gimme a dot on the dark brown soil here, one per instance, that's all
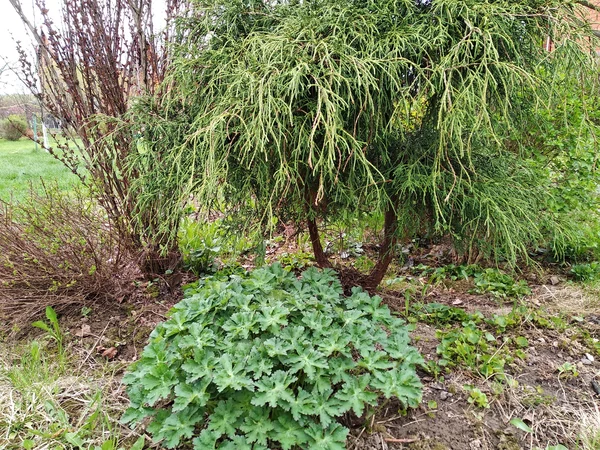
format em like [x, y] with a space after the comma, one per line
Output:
[550, 403]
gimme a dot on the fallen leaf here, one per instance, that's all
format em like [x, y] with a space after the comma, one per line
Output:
[457, 302]
[85, 331]
[109, 353]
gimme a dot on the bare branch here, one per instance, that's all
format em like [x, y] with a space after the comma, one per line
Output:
[16, 4]
[89, 68]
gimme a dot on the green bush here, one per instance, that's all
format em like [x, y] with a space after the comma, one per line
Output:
[586, 272]
[200, 243]
[13, 128]
[269, 360]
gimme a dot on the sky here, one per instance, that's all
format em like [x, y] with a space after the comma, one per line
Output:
[12, 29]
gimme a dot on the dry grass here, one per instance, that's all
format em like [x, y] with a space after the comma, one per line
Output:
[569, 299]
[568, 417]
[590, 428]
[48, 402]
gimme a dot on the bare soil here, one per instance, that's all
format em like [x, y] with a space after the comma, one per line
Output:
[553, 405]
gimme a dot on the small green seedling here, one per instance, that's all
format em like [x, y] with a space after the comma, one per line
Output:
[476, 397]
[53, 330]
[517, 422]
[567, 370]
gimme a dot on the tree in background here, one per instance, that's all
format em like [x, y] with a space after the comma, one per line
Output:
[90, 65]
[403, 108]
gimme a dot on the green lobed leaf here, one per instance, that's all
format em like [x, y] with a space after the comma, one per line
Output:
[355, 395]
[223, 419]
[266, 377]
[329, 438]
[274, 389]
[257, 426]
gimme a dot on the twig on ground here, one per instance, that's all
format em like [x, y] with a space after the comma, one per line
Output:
[401, 441]
[93, 347]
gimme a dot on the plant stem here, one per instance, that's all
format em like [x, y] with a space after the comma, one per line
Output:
[315, 240]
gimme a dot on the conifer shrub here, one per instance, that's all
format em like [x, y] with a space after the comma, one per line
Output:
[410, 110]
[268, 360]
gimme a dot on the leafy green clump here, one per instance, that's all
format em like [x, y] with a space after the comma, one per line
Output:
[473, 348]
[270, 360]
[487, 281]
[499, 284]
[586, 272]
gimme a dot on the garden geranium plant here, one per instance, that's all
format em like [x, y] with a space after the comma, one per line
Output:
[268, 360]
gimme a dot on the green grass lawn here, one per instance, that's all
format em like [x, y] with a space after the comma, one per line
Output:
[22, 165]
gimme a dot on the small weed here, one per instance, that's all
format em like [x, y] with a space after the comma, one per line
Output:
[432, 408]
[53, 329]
[433, 368]
[592, 343]
[518, 423]
[567, 370]
[521, 342]
[586, 272]
[396, 282]
[476, 397]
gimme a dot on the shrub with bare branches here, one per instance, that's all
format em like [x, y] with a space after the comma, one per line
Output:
[58, 247]
[92, 59]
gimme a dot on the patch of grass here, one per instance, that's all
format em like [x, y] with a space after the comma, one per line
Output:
[51, 400]
[590, 429]
[22, 165]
